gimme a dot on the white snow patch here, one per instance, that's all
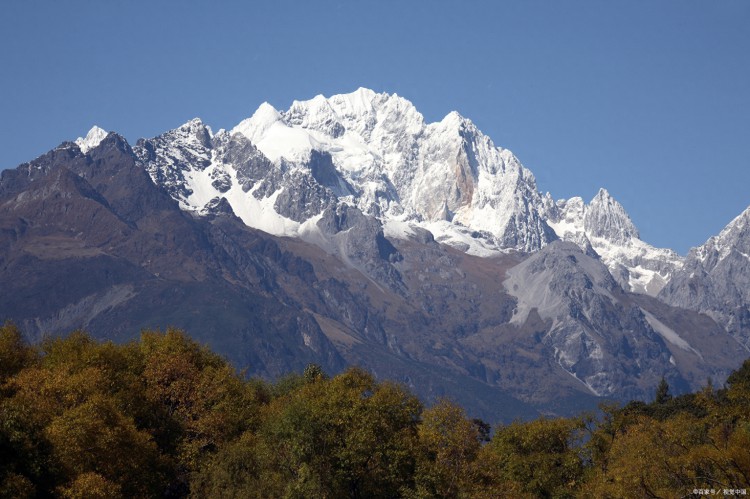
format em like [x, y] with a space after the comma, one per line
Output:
[460, 238]
[565, 229]
[260, 214]
[310, 232]
[199, 181]
[92, 139]
[597, 353]
[397, 229]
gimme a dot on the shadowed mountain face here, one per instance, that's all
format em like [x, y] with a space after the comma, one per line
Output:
[98, 236]
[89, 241]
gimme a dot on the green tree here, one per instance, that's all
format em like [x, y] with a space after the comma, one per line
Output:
[71, 412]
[205, 402]
[91, 485]
[313, 372]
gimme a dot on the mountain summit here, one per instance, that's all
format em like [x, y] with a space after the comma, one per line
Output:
[715, 279]
[92, 139]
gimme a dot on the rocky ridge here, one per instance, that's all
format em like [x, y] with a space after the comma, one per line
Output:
[715, 279]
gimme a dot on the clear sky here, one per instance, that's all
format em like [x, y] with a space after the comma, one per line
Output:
[648, 98]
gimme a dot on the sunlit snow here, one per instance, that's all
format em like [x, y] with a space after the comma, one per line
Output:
[92, 139]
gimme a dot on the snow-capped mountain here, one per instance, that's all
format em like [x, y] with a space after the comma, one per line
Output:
[279, 170]
[732, 241]
[604, 226]
[372, 151]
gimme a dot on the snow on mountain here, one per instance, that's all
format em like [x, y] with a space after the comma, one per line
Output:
[173, 159]
[604, 226]
[735, 237]
[92, 139]
[605, 218]
[278, 170]
[353, 174]
[404, 169]
[199, 169]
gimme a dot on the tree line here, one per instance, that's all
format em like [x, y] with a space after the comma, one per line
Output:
[166, 417]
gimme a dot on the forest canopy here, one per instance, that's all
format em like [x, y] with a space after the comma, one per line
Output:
[166, 417]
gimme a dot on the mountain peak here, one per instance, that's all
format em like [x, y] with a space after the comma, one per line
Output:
[266, 112]
[195, 122]
[604, 226]
[603, 196]
[454, 117]
[255, 127]
[733, 237]
[608, 219]
[362, 95]
[365, 92]
[192, 131]
[92, 139]
[357, 103]
[740, 222]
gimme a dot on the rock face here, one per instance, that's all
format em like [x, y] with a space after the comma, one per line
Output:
[347, 231]
[90, 241]
[716, 279]
[600, 334]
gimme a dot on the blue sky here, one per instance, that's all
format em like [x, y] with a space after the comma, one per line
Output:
[650, 99]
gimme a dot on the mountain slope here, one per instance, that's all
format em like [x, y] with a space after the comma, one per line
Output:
[89, 241]
[611, 341]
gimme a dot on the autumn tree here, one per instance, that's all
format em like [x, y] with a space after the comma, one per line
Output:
[448, 445]
[15, 354]
[344, 437]
[540, 458]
